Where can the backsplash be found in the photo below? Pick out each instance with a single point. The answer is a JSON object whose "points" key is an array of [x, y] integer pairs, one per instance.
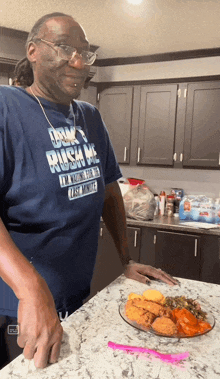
{"points": [[192, 181]]}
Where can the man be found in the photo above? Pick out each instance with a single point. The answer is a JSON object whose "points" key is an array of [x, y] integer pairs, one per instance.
{"points": [[57, 177]]}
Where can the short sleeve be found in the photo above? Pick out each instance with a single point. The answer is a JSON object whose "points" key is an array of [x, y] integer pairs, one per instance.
{"points": [[5, 149], [112, 169]]}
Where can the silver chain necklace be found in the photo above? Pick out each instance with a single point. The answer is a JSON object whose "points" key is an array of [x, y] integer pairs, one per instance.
{"points": [[60, 136]]}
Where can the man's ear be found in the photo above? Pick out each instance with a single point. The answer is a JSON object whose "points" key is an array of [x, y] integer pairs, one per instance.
{"points": [[31, 52]]}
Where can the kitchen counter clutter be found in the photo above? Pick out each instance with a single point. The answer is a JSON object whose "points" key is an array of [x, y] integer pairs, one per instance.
{"points": [[85, 352], [174, 223]]}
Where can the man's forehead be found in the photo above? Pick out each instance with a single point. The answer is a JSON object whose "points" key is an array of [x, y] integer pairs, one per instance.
{"points": [[64, 27]]}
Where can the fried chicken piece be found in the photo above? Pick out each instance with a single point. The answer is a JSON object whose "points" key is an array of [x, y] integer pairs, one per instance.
{"points": [[146, 319], [156, 309], [164, 325], [132, 312]]}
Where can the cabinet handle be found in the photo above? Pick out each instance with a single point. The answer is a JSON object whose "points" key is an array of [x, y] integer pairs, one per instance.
{"points": [[185, 92], [101, 232], [174, 157], [195, 253], [139, 153], [135, 238], [219, 159], [98, 97], [125, 154], [155, 239], [181, 157]]}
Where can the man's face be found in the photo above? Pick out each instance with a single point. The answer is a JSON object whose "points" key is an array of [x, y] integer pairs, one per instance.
{"points": [[60, 79]]}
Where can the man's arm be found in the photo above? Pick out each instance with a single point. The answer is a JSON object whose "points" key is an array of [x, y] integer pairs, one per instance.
{"points": [[39, 325], [115, 220]]}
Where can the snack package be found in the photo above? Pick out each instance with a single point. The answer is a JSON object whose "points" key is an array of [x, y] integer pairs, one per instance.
{"points": [[217, 211], [197, 208], [139, 203]]}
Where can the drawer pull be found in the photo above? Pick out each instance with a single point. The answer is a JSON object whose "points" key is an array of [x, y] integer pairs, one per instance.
{"points": [[195, 253], [125, 154], [155, 239], [139, 153], [101, 232], [135, 238]]}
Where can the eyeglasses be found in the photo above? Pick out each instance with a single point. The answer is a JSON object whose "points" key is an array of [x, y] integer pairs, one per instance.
{"points": [[67, 52]]}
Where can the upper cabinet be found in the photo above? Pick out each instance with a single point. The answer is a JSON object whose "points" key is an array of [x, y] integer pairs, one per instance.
{"points": [[202, 125], [115, 106], [157, 119], [173, 125]]}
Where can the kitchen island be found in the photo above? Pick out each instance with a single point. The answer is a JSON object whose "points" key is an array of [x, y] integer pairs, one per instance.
{"points": [[85, 352]]}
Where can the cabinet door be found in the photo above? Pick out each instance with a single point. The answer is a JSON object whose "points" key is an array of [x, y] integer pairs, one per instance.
{"points": [[210, 259], [108, 265], [157, 125], [89, 95], [202, 125], [115, 106], [148, 240], [178, 254]]}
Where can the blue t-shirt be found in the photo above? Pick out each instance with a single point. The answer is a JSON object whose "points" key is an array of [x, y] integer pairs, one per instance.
{"points": [[52, 192]]}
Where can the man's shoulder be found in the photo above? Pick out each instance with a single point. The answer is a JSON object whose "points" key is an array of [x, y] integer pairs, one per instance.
{"points": [[84, 105], [7, 91]]}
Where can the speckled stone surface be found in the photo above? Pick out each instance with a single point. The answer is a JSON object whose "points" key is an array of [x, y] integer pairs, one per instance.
{"points": [[85, 352], [172, 223]]}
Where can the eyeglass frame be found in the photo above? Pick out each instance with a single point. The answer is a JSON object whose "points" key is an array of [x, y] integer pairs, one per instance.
{"points": [[74, 50]]}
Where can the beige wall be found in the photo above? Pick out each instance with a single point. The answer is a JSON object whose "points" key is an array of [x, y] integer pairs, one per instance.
{"points": [[192, 181], [159, 70]]}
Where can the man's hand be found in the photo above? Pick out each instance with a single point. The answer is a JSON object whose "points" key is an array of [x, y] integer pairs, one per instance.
{"points": [[139, 272], [40, 331]]}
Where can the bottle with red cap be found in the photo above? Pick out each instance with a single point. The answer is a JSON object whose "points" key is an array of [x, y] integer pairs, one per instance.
{"points": [[162, 202]]}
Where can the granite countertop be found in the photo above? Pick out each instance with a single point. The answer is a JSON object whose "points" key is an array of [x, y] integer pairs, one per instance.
{"points": [[172, 223], [85, 352]]}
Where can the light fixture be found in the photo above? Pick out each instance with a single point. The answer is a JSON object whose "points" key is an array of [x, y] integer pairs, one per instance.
{"points": [[135, 2]]}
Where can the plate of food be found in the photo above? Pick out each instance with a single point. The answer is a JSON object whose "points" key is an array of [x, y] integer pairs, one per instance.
{"points": [[174, 317]]}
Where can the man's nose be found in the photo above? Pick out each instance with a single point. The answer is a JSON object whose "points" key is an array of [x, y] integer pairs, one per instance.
{"points": [[77, 61]]}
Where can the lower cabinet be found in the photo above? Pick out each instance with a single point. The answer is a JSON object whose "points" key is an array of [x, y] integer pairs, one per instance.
{"points": [[108, 265], [210, 259], [184, 255], [178, 254]]}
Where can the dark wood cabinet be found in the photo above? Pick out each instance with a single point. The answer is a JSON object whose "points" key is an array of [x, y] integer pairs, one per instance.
{"points": [[89, 95], [157, 119], [178, 254], [210, 259], [108, 265], [202, 125], [115, 106], [147, 252], [181, 254], [173, 125]]}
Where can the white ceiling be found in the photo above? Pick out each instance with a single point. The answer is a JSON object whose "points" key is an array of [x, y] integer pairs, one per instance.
{"points": [[123, 30]]}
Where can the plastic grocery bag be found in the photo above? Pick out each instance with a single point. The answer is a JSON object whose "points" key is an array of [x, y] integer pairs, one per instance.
{"points": [[139, 202]]}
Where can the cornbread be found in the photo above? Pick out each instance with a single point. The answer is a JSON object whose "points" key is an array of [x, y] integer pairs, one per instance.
{"points": [[154, 295], [134, 296]]}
